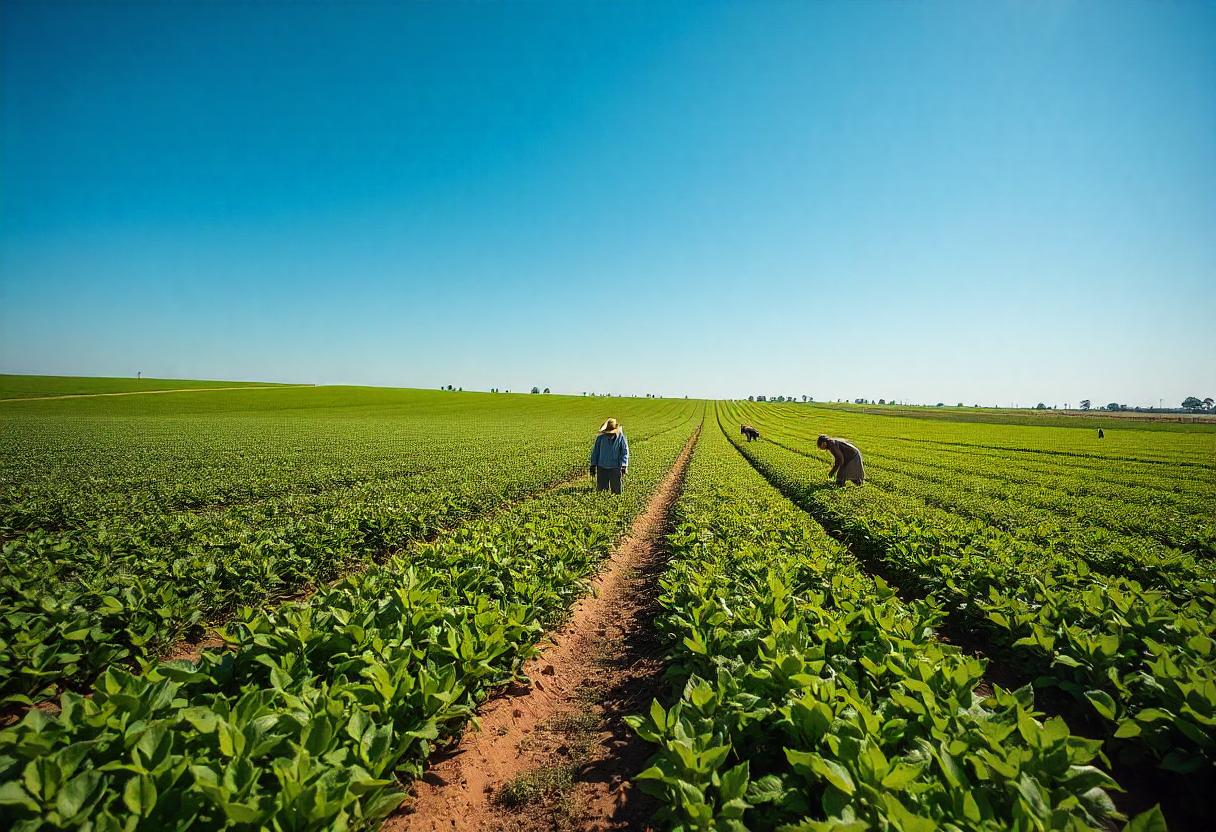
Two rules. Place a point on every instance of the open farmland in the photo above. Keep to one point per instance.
(1081, 567)
(132, 522)
(39, 387)
(269, 608)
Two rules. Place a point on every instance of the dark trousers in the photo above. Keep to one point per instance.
(606, 478)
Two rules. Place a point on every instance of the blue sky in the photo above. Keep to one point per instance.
(991, 202)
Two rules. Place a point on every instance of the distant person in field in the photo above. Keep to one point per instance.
(1100, 433)
(609, 457)
(846, 465)
(750, 432)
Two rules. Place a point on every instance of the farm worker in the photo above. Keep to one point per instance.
(846, 458)
(609, 457)
(1100, 433)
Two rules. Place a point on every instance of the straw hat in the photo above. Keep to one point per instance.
(610, 426)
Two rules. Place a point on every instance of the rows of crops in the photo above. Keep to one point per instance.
(378, 561)
(813, 696)
(127, 524)
(1088, 572)
(310, 712)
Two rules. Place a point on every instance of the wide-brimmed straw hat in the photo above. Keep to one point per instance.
(610, 426)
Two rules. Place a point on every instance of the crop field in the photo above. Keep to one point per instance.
(1082, 568)
(33, 387)
(130, 521)
(269, 608)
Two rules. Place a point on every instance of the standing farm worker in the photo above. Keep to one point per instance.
(609, 457)
(846, 463)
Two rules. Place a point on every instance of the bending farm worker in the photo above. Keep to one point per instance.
(846, 465)
(609, 457)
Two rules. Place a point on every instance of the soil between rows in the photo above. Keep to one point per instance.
(555, 753)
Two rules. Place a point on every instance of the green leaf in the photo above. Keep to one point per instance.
(11, 794)
(900, 776)
(76, 792)
(833, 772)
(1102, 702)
(768, 789)
(734, 782)
(202, 718)
(1148, 821)
(1032, 794)
(139, 795)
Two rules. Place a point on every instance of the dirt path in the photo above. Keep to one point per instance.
(151, 392)
(556, 754)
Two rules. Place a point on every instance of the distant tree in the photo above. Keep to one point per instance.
(546, 389)
(1040, 406)
(781, 398)
(941, 404)
(1086, 404)
(761, 399)
(1113, 406)
(751, 398)
(460, 389)
(804, 397)
(535, 389)
(882, 401)
(1209, 403)
(960, 404)
(1192, 403)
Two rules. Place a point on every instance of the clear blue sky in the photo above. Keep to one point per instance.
(989, 202)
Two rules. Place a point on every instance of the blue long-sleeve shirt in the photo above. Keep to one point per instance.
(611, 450)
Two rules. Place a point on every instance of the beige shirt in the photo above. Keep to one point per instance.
(842, 451)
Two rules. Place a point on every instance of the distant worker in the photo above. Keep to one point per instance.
(846, 463)
(1101, 435)
(609, 457)
(750, 432)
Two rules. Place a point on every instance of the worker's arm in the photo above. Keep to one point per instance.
(837, 459)
(625, 455)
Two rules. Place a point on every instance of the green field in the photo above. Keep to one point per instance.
(1186, 422)
(1082, 568)
(1005, 627)
(31, 387)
